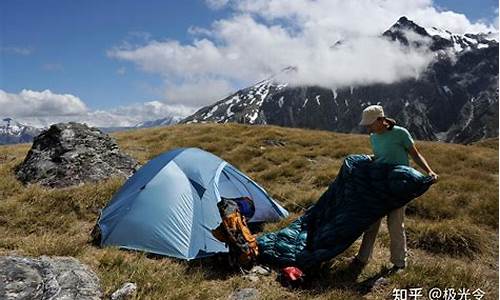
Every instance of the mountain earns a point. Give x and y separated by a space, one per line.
169 120
454 100
13 132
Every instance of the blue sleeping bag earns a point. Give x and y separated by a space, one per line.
362 193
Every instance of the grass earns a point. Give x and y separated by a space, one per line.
452 229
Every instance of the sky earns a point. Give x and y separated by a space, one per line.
121 62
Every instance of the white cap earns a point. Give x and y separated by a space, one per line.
371 114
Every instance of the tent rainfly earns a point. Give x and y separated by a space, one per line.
169 206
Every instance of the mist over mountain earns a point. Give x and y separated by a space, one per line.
453 99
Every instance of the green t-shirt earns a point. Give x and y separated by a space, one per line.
392 146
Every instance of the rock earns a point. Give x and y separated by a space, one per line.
260 270
127 291
380 282
245 294
54 278
252 278
71 153
275 143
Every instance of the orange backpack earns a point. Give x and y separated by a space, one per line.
235 233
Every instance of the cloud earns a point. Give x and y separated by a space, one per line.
495 19
52 67
16 50
362 16
216 4
121 71
262 37
198 92
40 104
45 108
133 114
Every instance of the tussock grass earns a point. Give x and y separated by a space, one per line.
454 237
489 143
452 229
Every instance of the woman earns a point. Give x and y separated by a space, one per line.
391 144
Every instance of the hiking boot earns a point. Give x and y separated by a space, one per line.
397 269
356 262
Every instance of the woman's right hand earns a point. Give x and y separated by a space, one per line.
434 176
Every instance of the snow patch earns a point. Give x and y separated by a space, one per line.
471 117
469 40
229 113
439 32
317 100
280 101
253 117
457 46
281 86
211 112
231 100
447 90
305 102
252 99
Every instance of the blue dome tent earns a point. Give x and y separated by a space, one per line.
169 206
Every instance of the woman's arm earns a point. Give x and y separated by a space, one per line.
420 160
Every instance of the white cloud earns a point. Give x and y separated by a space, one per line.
40 104
362 16
45 108
264 36
454 22
121 71
52 67
216 4
198 91
133 114
16 50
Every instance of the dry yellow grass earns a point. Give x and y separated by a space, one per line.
452 229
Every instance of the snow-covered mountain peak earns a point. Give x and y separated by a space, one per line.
408 32
169 120
12 131
12 127
243 106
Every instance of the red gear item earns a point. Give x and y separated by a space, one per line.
292 274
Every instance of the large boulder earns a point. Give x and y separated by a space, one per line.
72 153
54 278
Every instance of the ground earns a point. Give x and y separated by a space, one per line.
452 229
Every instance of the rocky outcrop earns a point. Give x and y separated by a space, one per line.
127 291
53 278
245 294
72 153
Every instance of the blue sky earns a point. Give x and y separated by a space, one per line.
103 52
68 40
